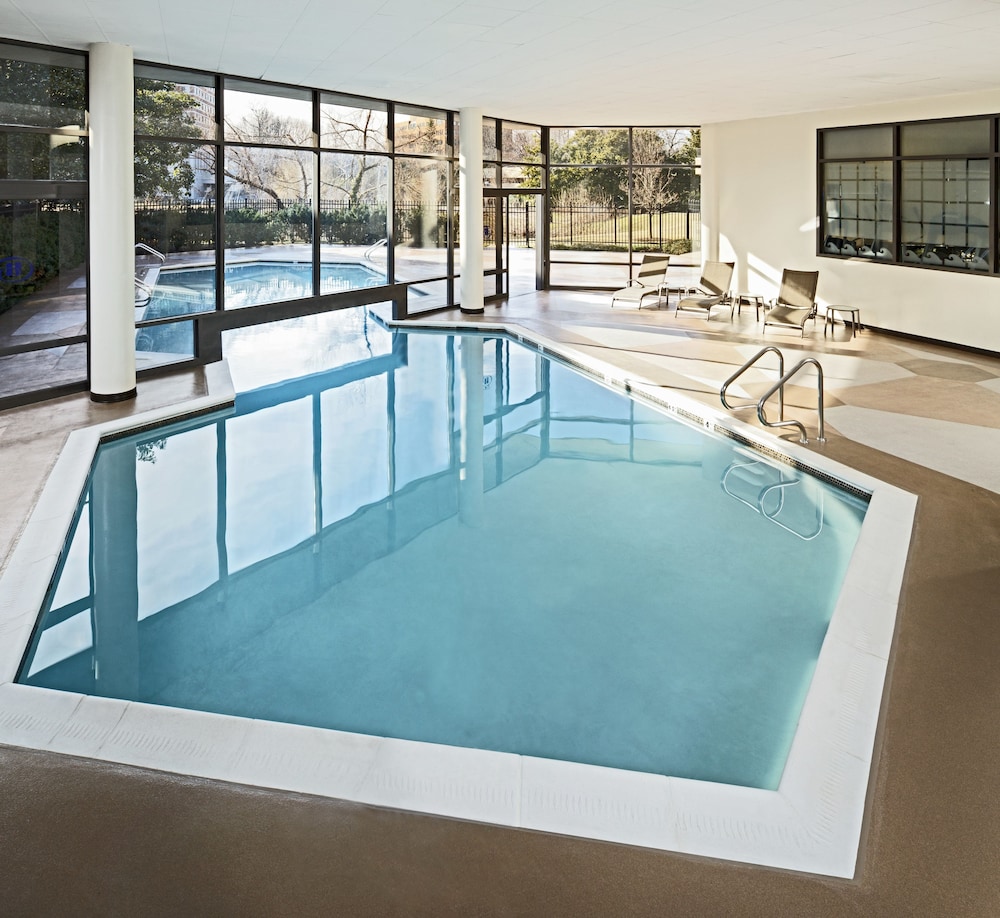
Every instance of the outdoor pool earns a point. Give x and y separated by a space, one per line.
184 291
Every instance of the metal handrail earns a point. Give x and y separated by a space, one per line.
779 387
367 254
744 368
142 247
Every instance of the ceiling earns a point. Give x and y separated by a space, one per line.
559 62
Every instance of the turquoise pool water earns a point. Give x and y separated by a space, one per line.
183 291
459 541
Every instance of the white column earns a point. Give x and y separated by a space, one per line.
112 224
470 194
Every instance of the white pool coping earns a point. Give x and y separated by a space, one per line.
811 823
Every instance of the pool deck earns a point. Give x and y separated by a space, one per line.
83 837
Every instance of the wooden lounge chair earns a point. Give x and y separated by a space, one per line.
712 290
796 301
650 278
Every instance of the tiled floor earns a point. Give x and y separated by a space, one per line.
85 838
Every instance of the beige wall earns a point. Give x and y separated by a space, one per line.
759 209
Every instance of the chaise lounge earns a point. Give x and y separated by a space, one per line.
712 290
649 281
796 301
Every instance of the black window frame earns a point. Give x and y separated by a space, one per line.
899 256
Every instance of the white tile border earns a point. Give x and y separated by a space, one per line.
812 823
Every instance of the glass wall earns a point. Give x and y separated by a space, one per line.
286 196
617 191
268 180
250 193
175 210
43 222
355 175
425 202
917 193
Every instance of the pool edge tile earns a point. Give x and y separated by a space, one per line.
32 717
472 784
307 760
88 727
178 740
589 801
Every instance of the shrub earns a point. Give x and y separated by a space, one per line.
247 226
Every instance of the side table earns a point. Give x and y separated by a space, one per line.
855 318
752 299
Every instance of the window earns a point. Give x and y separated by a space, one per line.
620 190
251 193
43 222
176 128
915 193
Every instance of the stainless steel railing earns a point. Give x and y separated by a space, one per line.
779 388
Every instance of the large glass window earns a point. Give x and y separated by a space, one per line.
43 157
268 215
258 113
354 192
420 130
301 184
173 103
43 221
352 124
918 193
354 207
421 232
42 88
618 191
43 293
175 210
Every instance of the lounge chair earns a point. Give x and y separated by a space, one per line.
796 301
649 279
712 290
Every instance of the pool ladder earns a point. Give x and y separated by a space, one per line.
145 276
779 388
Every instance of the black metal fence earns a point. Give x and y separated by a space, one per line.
177 226
597 228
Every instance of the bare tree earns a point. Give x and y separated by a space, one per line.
354 176
274 172
655 184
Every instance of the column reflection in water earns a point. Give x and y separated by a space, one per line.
470 488
114 539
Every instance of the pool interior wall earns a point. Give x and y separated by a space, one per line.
812 822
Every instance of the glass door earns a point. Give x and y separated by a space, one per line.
512 248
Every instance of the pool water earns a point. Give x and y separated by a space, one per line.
183 291
456 540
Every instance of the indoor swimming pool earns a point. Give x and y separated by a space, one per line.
543 567
449 572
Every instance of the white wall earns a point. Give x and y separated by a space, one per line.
760 209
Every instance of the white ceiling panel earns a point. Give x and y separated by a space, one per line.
559 61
